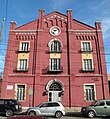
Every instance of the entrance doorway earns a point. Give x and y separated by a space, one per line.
55 90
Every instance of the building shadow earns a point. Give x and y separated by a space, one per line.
74 114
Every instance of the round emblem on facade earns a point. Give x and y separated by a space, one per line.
55 30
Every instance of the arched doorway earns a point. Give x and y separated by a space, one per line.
55 90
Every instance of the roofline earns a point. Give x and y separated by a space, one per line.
84 24
56 12
25 24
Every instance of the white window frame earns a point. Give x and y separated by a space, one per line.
24 46
87 64
23 64
86 46
55 64
55 46
91 95
20 92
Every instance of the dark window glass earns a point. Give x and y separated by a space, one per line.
108 103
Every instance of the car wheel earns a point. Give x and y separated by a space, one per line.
91 114
32 113
58 114
9 112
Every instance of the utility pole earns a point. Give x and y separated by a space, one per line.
2 28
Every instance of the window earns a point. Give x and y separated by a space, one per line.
2 102
24 46
100 103
90 94
54 64
20 92
108 103
87 65
86 46
55 87
22 64
55 46
44 105
53 104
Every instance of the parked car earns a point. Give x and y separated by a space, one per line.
97 108
48 109
10 107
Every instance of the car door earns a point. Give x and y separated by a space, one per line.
100 108
108 107
43 109
2 106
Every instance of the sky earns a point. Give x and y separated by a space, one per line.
24 11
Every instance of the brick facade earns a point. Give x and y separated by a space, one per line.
55 58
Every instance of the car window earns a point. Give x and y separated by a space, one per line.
101 103
108 103
44 105
2 102
53 105
11 102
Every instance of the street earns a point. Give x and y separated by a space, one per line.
69 115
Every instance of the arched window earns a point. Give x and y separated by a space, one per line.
55 87
55 46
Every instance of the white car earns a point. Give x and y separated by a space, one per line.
48 109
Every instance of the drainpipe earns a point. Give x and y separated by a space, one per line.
99 30
69 27
39 25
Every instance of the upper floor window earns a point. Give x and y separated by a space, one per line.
55 65
24 46
87 65
86 46
22 64
55 46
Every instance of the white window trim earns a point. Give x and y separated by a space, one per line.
86 42
24 42
84 86
16 91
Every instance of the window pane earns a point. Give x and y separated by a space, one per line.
55 46
108 103
89 92
23 64
55 64
86 46
20 92
24 46
87 64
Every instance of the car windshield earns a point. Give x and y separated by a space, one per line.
14 102
93 103
38 105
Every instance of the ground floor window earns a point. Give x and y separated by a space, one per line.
20 94
89 92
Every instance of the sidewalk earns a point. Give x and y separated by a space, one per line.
67 109
73 109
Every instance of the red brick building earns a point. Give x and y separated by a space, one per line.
55 58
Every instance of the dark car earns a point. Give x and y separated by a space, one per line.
10 107
97 108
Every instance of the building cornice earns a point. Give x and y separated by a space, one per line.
22 75
55 75
84 31
88 75
29 31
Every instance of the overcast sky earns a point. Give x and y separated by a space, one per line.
24 11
